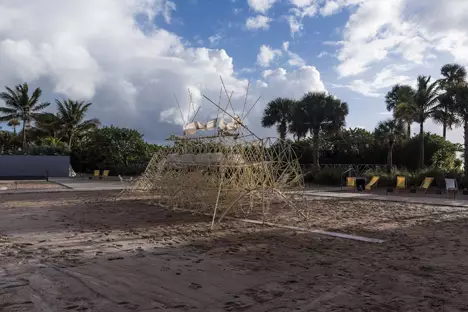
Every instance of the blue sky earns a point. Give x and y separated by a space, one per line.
131 57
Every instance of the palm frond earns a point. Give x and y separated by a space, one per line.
7 117
35 97
40 107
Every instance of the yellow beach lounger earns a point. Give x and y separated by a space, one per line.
372 183
105 174
351 183
401 183
426 184
96 174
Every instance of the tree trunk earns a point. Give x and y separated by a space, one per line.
421 145
465 167
408 129
390 156
14 130
283 128
316 146
24 134
70 141
444 124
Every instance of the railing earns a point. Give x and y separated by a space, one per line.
358 168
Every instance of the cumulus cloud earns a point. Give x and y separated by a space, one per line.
261 5
306 78
294 59
300 9
267 55
280 82
295 25
387 77
302 3
95 50
330 8
408 29
258 22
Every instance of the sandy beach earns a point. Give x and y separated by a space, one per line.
76 251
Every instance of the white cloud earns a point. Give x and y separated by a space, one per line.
302 3
295 25
214 40
409 30
300 10
389 76
261 5
267 55
292 83
294 59
258 22
322 54
330 8
100 54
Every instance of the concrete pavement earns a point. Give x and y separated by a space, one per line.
78 184
439 201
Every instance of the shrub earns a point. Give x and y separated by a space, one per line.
325 176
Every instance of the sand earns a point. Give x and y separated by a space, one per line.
59 253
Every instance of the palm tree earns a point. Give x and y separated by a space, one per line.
401 100
405 113
19 105
318 113
52 141
453 74
278 112
14 122
390 131
426 99
444 114
461 109
70 119
46 125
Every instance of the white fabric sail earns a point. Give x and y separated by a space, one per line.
211 124
230 126
200 126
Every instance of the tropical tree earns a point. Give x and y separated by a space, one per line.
390 132
444 114
400 100
406 113
278 112
14 122
426 99
453 76
46 125
19 105
461 109
117 149
52 141
70 119
318 113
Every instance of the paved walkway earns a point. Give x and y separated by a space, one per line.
89 185
108 185
393 198
73 185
